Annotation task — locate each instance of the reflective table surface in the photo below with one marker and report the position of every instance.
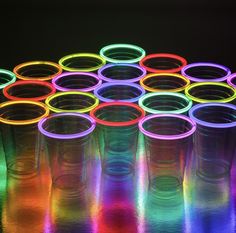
(111, 206)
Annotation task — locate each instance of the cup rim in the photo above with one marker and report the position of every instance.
(153, 94)
(23, 122)
(67, 74)
(229, 80)
(107, 66)
(128, 46)
(10, 74)
(206, 64)
(66, 136)
(58, 94)
(104, 85)
(35, 63)
(210, 124)
(187, 81)
(199, 100)
(26, 82)
(163, 55)
(117, 123)
(79, 55)
(167, 137)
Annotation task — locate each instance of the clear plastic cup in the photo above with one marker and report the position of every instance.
(18, 121)
(214, 140)
(168, 142)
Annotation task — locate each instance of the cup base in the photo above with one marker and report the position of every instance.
(165, 187)
(69, 182)
(22, 168)
(212, 170)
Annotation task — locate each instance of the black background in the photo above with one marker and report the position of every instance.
(198, 30)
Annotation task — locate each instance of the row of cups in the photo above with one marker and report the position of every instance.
(175, 126)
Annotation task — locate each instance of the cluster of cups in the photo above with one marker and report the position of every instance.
(105, 102)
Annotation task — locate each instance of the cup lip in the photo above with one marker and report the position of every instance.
(206, 64)
(199, 100)
(117, 123)
(210, 124)
(26, 82)
(68, 74)
(128, 46)
(24, 122)
(35, 63)
(79, 55)
(104, 85)
(10, 74)
(167, 137)
(230, 78)
(107, 66)
(58, 94)
(66, 136)
(157, 94)
(174, 75)
(163, 55)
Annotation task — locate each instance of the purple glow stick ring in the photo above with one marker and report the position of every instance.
(44, 131)
(232, 80)
(121, 73)
(205, 72)
(119, 91)
(76, 81)
(165, 136)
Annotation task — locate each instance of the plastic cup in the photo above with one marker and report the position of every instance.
(67, 139)
(118, 91)
(165, 102)
(117, 134)
(206, 72)
(168, 142)
(76, 81)
(232, 80)
(214, 141)
(84, 62)
(71, 101)
(37, 70)
(163, 63)
(121, 73)
(29, 90)
(18, 121)
(164, 82)
(204, 92)
(122, 53)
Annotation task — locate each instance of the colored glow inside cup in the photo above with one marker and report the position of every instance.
(164, 82)
(110, 119)
(165, 102)
(37, 70)
(84, 62)
(6, 78)
(29, 118)
(29, 90)
(232, 80)
(122, 53)
(215, 115)
(204, 92)
(163, 133)
(121, 73)
(163, 63)
(118, 91)
(205, 72)
(76, 81)
(75, 132)
(72, 101)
